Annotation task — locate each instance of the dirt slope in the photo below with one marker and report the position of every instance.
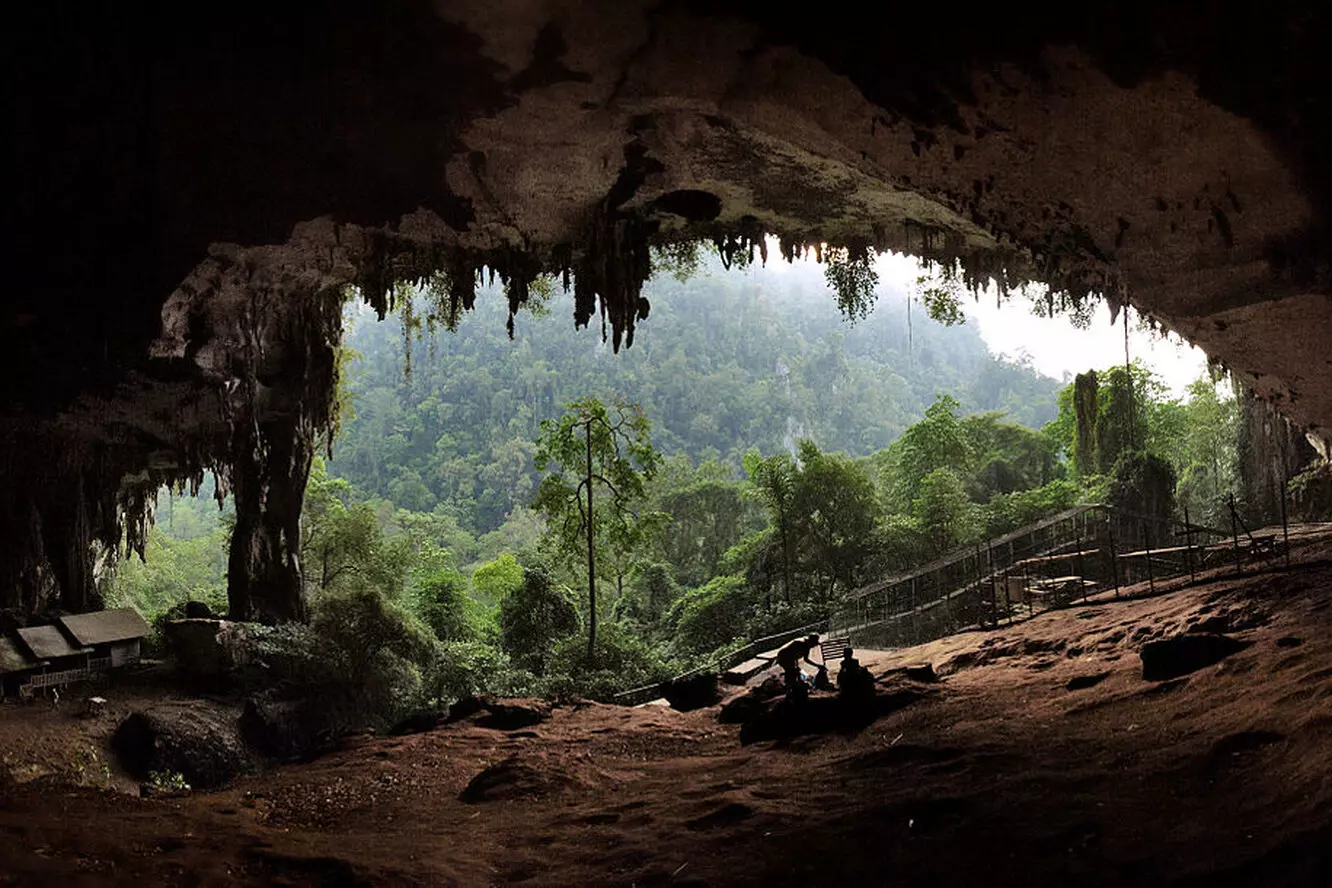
(1002, 775)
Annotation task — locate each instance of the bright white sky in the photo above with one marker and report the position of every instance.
(1057, 347)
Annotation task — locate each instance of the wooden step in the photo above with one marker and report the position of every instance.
(738, 675)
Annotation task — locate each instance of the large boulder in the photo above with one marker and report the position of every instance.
(197, 740)
(693, 692)
(501, 714)
(207, 648)
(513, 714)
(1172, 657)
(750, 704)
(289, 729)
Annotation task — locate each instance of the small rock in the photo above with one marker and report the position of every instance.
(512, 779)
(921, 672)
(1082, 682)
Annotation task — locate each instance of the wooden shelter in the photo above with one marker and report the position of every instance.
(115, 635)
(16, 664)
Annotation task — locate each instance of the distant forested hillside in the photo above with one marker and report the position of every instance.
(725, 362)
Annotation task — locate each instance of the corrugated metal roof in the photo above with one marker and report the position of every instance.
(48, 642)
(13, 658)
(102, 627)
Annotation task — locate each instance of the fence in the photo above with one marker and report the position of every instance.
(1053, 563)
(95, 667)
(1069, 557)
(654, 691)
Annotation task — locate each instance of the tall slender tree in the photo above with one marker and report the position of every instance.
(601, 456)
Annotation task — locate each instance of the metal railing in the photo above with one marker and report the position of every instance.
(636, 696)
(1051, 563)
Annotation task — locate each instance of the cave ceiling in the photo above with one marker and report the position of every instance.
(192, 195)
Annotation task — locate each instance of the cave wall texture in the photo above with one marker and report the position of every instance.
(190, 200)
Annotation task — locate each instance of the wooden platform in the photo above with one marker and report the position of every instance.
(743, 672)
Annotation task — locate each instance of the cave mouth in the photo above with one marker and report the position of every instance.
(197, 201)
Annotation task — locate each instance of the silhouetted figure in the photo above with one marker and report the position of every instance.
(854, 681)
(821, 680)
(789, 658)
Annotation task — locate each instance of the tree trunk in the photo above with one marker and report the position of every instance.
(263, 568)
(591, 559)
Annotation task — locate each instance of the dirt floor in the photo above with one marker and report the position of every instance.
(1042, 757)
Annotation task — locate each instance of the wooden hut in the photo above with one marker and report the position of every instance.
(16, 666)
(115, 636)
(64, 660)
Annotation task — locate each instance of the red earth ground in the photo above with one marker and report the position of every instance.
(1001, 775)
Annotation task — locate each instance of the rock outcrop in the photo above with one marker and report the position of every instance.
(196, 740)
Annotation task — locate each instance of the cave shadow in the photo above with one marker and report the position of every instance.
(787, 720)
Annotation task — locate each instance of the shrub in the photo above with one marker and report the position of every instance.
(712, 615)
(534, 618)
(440, 599)
(622, 660)
(363, 660)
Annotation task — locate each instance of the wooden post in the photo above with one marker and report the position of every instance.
(1082, 580)
(1147, 543)
(1285, 526)
(1234, 531)
(1114, 559)
(1188, 543)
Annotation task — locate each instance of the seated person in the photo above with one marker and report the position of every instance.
(854, 679)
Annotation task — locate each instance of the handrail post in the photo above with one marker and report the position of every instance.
(1285, 526)
(1234, 532)
(1188, 544)
(1147, 543)
(1114, 558)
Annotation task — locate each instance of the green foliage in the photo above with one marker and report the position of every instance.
(342, 543)
(440, 598)
(174, 571)
(725, 362)
(711, 616)
(621, 660)
(836, 508)
(498, 579)
(1207, 462)
(939, 441)
(167, 782)
(941, 292)
(534, 617)
(469, 667)
(652, 589)
(774, 483)
(1143, 484)
(946, 516)
(602, 459)
(851, 276)
(378, 655)
(1009, 511)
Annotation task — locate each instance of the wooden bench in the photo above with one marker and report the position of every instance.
(834, 649)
